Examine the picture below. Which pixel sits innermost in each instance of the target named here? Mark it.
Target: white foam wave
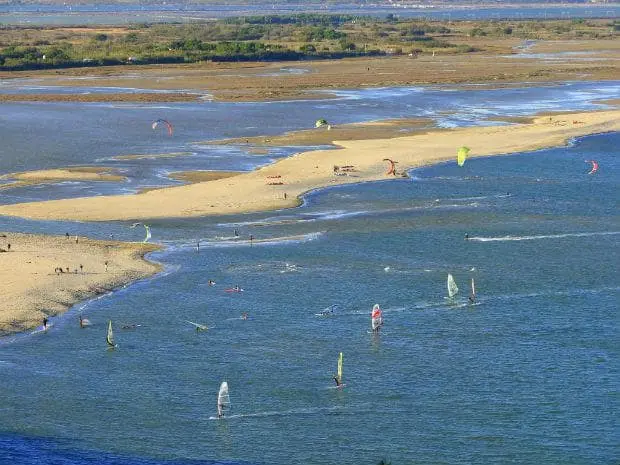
(282, 413)
(260, 242)
(542, 236)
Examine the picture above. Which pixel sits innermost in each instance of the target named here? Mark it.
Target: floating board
(230, 289)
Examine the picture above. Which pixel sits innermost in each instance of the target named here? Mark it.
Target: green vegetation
(270, 37)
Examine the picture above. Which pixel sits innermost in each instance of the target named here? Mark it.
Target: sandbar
(34, 288)
(282, 183)
(85, 173)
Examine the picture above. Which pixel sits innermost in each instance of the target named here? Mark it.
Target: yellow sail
(461, 155)
(340, 368)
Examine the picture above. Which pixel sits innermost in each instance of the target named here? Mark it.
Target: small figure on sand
(106, 266)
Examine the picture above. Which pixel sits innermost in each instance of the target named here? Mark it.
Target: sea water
(526, 375)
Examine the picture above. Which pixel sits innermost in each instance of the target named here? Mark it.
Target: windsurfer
(337, 381)
(472, 299)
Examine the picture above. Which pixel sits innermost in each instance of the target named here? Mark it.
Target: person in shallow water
(44, 323)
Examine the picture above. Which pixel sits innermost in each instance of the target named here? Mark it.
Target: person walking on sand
(81, 268)
(106, 266)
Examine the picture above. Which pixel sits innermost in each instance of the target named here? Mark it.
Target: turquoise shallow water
(528, 375)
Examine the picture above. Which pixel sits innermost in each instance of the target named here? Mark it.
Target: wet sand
(86, 173)
(32, 288)
(281, 184)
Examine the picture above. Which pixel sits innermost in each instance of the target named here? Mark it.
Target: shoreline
(283, 183)
(35, 288)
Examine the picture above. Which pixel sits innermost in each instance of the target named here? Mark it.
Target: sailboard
(452, 287)
(199, 327)
(223, 400)
(110, 336)
(339, 374)
(376, 318)
(148, 233)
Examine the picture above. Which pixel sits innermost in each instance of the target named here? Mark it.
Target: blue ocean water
(526, 375)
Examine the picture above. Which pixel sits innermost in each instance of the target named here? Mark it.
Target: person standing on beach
(106, 266)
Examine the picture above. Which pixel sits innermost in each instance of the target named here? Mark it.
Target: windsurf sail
(376, 317)
(110, 336)
(148, 233)
(198, 326)
(462, 154)
(472, 297)
(594, 166)
(452, 287)
(223, 400)
(340, 368)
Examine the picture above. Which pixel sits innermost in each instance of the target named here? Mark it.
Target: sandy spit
(281, 184)
(33, 288)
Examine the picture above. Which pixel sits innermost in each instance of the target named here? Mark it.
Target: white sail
(473, 289)
(223, 400)
(110, 336)
(340, 368)
(148, 233)
(452, 287)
